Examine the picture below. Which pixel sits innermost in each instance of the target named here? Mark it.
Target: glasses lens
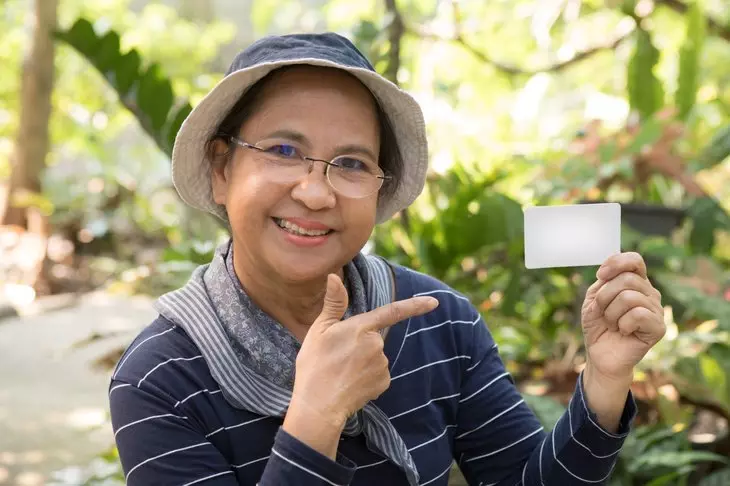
(355, 178)
(283, 162)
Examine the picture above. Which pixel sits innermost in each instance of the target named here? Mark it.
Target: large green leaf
(108, 53)
(81, 36)
(155, 98)
(126, 72)
(646, 94)
(146, 92)
(690, 56)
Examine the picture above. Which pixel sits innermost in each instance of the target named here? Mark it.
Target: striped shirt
(450, 399)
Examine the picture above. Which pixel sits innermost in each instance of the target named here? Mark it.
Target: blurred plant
(467, 230)
(659, 456)
(468, 234)
(636, 164)
(143, 90)
(652, 455)
(105, 470)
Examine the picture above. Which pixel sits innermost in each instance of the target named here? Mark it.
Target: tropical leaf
(646, 94)
(690, 55)
(146, 92)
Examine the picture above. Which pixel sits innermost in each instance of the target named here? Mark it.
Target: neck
(295, 304)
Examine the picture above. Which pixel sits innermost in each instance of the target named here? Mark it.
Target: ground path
(53, 403)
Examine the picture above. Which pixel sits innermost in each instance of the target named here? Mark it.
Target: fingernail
(431, 301)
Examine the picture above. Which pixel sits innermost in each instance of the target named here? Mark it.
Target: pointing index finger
(391, 314)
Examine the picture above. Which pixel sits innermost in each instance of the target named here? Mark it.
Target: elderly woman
(294, 359)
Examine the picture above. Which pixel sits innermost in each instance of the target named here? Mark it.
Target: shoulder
(455, 320)
(411, 283)
(164, 358)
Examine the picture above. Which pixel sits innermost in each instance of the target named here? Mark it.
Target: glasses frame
(328, 163)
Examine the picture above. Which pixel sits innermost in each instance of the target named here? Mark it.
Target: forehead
(316, 83)
(310, 99)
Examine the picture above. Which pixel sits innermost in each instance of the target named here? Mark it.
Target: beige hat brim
(191, 169)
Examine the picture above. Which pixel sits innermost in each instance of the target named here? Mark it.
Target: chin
(303, 268)
(297, 274)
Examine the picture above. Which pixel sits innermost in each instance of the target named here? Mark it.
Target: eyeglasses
(353, 177)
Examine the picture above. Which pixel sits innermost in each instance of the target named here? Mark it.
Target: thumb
(335, 301)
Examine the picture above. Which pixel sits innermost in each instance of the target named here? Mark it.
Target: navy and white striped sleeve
(499, 441)
(157, 443)
(292, 462)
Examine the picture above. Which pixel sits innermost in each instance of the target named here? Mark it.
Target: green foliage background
(507, 110)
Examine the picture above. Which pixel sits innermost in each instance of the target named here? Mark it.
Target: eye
(352, 164)
(282, 150)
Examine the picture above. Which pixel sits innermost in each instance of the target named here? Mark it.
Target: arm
(500, 441)
(606, 397)
(313, 428)
(158, 445)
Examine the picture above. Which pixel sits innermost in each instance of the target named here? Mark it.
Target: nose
(314, 190)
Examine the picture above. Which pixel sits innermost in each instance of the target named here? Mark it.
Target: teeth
(292, 228)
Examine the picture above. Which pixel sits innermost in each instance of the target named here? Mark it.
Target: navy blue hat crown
(327, 47)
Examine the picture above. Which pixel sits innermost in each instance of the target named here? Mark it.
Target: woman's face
(321, 113)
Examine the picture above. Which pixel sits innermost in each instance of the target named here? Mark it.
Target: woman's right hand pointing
(341, 365)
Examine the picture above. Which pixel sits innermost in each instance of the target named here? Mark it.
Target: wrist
(609, 383)
(317, 412)
(314, 426)
(606, 396)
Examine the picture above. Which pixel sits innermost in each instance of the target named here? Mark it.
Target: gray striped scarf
(251, 356)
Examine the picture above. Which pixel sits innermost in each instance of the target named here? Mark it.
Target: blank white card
(571, 235)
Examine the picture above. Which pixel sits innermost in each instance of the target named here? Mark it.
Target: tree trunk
(32, 140)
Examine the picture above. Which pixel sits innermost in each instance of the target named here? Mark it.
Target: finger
(391, 314)
(594, 288)
(624, 281)
(589, 301)
(623, 262)
(335, 301)
(625, 302)
(380, 386)
(639, 320)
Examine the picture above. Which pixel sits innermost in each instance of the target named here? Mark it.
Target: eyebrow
(289, 135)
(299, 137)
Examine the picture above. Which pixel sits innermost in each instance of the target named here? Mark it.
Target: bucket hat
(191, 170)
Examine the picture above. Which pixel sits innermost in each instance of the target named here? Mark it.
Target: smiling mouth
(292, 228)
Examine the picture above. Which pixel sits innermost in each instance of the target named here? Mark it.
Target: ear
(219, 174)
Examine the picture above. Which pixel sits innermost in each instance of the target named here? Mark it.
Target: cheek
(359, 216)
(249, 199)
